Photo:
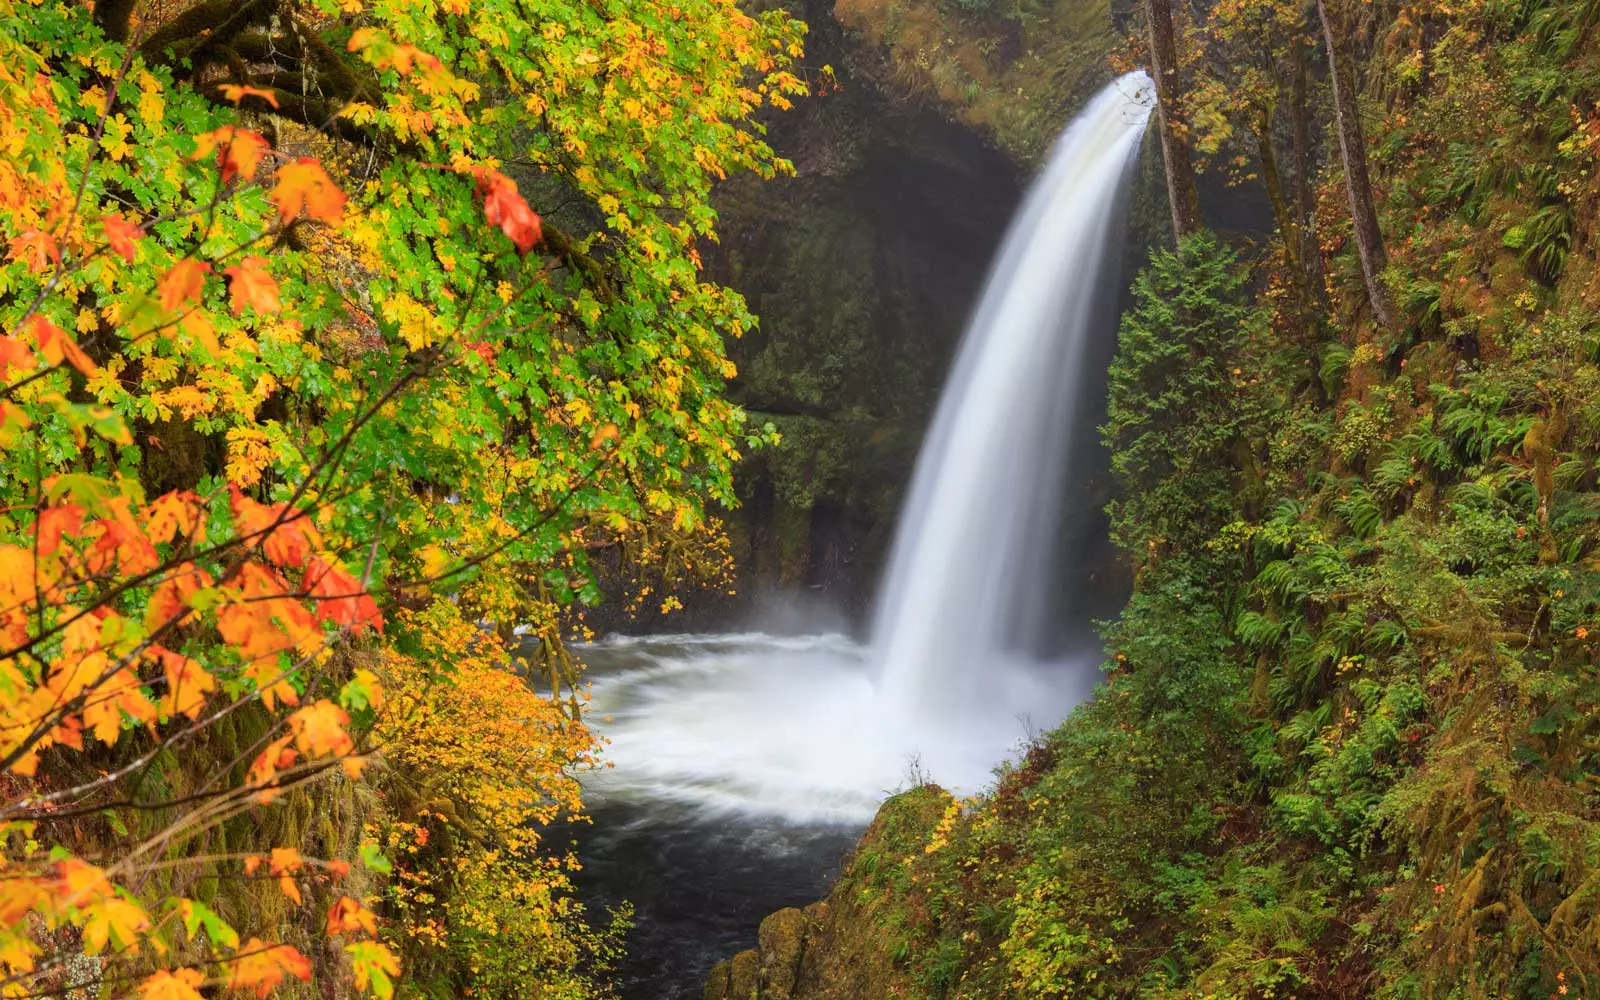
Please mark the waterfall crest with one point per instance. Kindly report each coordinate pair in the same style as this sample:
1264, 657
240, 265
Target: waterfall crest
973, 552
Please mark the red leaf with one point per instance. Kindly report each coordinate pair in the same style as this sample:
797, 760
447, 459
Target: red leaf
250, 285
343, 598
121, 235
504, 207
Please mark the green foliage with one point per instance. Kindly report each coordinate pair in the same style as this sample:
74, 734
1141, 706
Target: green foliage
1177, 402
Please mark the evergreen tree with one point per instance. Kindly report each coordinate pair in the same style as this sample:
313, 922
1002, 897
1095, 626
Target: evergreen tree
1176, 404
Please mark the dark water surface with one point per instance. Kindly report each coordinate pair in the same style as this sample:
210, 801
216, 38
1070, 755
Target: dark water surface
699, 887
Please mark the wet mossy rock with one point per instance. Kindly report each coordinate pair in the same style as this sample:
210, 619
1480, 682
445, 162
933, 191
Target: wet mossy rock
846, 947
1016, 71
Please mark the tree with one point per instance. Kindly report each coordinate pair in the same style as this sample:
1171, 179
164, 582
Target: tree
1177, 403
1254, 75
280, 404
1182, 197
1358, 183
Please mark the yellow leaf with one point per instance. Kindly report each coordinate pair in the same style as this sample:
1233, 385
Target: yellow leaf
115, 920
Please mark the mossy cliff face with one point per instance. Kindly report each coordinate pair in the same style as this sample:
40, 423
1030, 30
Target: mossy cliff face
852, 945
1014, 69
862, 269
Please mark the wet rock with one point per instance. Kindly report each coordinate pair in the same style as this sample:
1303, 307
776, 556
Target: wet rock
781, 941
744, 976
718, 981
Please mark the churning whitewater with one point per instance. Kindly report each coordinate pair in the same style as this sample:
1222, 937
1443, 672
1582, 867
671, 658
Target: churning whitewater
960, 668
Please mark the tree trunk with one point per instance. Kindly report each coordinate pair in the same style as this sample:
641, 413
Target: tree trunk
1304, 171
1181, 194
1353, 151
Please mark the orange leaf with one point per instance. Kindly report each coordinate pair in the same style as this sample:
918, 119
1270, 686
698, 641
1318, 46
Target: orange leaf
319, 730
285, 862
57, 345
287, 543
304, 188
238, 150
236, 93
121, 236
183, 284
172, 514
348, 915
15, 354
504, 207
169, 602
54, 522
184, 984
187, 683
262, 968
35, 247
250, 285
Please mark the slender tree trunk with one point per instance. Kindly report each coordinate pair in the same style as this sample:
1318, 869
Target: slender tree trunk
1304, 175
1181, 194
1353, 150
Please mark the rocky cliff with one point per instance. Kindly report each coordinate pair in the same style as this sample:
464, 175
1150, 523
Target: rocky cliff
852, 945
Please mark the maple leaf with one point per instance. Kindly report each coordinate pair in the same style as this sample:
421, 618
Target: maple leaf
303, 187
121, 235
342, 597
238, 150
349, 916
35, 247
286, 861
372, 963
287, 537
251, 286
173, 513
115, 920
504, 207
121, 693
183, 283
54, 523
262, 968
15, 354
236, 93
182, 984
188, 683
57, 345
169, 604
80, 883
319, 730
277, 756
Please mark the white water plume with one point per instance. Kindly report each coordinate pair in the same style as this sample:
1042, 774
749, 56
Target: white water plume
817, 729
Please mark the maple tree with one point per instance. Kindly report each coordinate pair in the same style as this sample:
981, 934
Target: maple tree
296, 384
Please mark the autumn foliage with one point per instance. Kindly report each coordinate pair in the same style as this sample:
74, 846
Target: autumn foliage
292, 406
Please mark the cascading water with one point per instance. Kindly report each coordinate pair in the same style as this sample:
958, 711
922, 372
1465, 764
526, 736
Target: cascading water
972, 555
819, 729
743, 764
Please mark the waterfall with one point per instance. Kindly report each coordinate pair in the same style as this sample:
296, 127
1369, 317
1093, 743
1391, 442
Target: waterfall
816, 729
974, 553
